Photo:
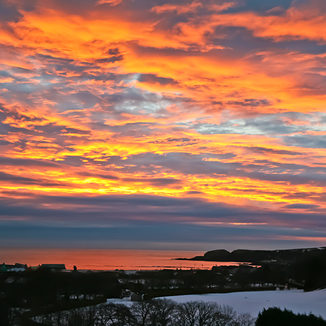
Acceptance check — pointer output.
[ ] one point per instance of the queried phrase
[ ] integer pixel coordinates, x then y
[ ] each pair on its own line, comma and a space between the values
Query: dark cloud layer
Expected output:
115, 210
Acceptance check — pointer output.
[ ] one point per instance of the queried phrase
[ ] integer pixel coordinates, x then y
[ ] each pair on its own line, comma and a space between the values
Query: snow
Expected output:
125, 301
254, 302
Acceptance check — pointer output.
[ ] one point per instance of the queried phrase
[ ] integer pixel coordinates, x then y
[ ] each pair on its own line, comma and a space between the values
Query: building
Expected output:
55, 267
13, 268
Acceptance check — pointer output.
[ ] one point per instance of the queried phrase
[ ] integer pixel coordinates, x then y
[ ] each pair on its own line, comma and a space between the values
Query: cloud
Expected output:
25, 162
138, 220
16, 179
149, 78
176, 111
147, 209
302, 206
110, 2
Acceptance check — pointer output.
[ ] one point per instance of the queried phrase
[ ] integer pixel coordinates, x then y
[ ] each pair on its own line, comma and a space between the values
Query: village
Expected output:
28, 292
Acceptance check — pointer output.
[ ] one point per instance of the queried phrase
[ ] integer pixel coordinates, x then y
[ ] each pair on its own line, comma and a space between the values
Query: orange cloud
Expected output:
117, 104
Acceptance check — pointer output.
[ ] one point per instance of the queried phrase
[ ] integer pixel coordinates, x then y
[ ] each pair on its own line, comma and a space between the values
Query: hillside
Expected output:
257, 256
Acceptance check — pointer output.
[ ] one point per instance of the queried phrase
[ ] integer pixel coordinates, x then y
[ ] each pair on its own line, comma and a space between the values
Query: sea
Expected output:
106, 259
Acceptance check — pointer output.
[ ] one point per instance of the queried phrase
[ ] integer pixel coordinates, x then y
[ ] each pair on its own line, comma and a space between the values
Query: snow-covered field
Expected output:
253, 302
125, 301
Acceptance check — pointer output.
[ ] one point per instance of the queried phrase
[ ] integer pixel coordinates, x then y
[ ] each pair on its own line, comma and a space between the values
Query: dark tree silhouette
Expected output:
275, 316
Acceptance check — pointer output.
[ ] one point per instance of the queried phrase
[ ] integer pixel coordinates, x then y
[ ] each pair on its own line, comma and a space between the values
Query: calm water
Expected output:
103, 259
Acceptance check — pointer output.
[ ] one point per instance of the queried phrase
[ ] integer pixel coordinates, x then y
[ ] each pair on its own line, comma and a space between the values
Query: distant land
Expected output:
256, 257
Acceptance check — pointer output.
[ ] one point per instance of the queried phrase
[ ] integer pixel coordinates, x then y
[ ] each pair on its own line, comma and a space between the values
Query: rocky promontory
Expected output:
257, 256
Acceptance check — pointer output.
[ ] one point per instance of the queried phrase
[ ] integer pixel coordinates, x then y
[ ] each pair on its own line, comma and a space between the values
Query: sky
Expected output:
162, 124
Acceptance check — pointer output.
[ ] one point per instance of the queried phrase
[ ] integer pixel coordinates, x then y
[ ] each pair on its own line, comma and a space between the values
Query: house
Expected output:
13, 268
3, 268
136, 297
55, 267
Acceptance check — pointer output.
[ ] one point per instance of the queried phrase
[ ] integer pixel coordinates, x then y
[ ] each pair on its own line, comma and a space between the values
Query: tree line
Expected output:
158, 312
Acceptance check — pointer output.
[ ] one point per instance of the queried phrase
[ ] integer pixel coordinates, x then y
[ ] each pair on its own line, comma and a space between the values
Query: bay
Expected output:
107, 259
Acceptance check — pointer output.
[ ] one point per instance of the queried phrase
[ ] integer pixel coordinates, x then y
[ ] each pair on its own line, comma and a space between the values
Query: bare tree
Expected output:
206, 312
187, 314
246, 319
142, 311
75, 318
162, 313
123, 316
225, 316
158, 312
105, 315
